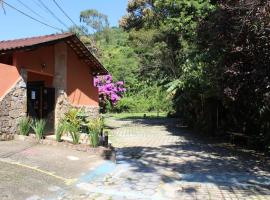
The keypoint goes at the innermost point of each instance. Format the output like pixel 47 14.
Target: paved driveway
pixel 33 172
pixel 156 160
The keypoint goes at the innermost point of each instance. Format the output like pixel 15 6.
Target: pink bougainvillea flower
pixel 109 90
pixel 108 77
pixel 120 83
pixel 96 82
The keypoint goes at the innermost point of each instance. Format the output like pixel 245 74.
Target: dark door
pixel 48 100
pixel 34 99
pixel 40 100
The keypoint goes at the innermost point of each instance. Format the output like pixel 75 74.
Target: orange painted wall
pixel 8 77
pixel 48 80
pixel 80 86
pixel 33 60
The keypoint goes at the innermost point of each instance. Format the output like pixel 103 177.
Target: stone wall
pixel 13 106
pixel 63 106
pixel 90 111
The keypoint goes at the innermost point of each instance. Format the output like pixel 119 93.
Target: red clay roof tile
pixel 25 42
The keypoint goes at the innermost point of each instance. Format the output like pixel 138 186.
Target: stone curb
pixel 107 153
pixel 6 137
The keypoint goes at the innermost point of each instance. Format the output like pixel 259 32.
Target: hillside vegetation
pixel 204 61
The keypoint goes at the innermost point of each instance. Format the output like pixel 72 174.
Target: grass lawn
pixel 136 115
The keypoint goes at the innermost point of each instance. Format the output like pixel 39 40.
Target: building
pixel 44 77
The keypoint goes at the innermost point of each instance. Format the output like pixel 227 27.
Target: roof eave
pixel 98 69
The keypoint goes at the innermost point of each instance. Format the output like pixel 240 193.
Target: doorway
pixel 40 100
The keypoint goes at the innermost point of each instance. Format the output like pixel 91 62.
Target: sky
pixel 15 25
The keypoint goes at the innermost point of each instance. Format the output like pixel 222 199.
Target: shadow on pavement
pixel 193 159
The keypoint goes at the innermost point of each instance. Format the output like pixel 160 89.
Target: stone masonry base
pixel 13 107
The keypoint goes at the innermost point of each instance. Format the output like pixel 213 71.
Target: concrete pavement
pixel 155 160
pixel 32 171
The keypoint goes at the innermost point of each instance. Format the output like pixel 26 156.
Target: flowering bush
pixel 109 92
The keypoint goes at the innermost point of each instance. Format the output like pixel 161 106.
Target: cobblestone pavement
pixel 156 160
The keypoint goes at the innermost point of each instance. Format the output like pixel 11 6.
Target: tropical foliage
pixel 238 67
pixel 38 126
pixel 60 130
pixel 25 126
pixel 71 124
pixel 95 127
pixel 205 61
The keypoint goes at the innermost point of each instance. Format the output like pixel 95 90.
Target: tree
pixel 118 57
pixel 236 38
pixel 162 33
pixel 90 42
pixel 92 18
pixel 140 13
pixel 97 21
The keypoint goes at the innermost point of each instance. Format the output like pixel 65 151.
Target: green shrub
pixel 142 104
pixel 25 126
pixel 94 139
pixel 39 127
pixel 61 128
pixel 95 126
pixel 73 117
pixel 146 99
pixel 126 104
pixel 72 123
pixel 74 132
